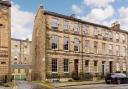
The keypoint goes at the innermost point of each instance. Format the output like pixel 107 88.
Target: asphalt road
pixel 98 86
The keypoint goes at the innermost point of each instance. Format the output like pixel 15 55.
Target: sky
pixel 103 12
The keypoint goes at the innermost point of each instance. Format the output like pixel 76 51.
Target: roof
pixel 15 39
pixel 6 3
pixel 80 20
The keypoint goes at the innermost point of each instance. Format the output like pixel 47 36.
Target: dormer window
pixel 76 28
pixel 54 23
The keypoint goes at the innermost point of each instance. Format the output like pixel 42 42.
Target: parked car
pixel 116 78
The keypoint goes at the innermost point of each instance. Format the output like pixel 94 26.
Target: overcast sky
pixel 98 11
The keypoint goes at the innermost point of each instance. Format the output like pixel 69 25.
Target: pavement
pixel 77 83
pixel 22 85
pixel 97 86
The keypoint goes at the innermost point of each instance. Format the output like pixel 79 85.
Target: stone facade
pixel 5 35
pixel 21 58
pixel 63 46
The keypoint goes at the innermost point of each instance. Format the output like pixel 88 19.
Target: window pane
pixel 85 29
pixel 86 46
pixel 95 47
pixel 103 48
pixel 111 49
pixel 65 25
pixel 66 43
pixel 54 23
pixel 54 65
pixel 76 44
pixel 66 64
pixel 76 28
pixel 95 31
pixel 54 42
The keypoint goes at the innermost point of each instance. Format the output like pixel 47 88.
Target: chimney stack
pixel 115 26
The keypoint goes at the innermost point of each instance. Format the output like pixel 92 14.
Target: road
pixel 98 86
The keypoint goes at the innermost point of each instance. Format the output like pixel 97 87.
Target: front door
pixel 76 67
pixel 110 66
pixel 103 67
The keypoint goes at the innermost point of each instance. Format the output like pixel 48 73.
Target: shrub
pixel 100 76
pixel 117 71
pixel 75 76
pixel 88 76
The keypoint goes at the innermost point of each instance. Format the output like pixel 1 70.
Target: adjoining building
pixel 21 58
pixel 64 47
pixel 5 38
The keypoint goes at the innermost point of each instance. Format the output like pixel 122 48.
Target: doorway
pixel 110 66
pixel 103 67
pixel 76 61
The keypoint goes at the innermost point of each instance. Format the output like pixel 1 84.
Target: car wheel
pixel 118 81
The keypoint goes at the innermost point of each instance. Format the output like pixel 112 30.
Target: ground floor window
pixel 124 67
pixel 117 67
pixel 96 66
pixel 87 66
pixel 66 65
pixel 54 65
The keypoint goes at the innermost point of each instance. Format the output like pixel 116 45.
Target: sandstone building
pixel 63 46
pixel 5 35
pixel 20 58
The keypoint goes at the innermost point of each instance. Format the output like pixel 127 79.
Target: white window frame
pixel 117 67
pixel 76 28
pixel 96 48
pixel 68 43
pixel 54 22
pixel 95 31
pixel 110 48
pixel 96 66
pixel 117 36
pixel 124 66
pixel 76 43
pixel 124 51
pixel 87 42
pixel 104 48
pixel 87 66
pixel 68 66
pixel 118 50
pixel 66 26
pixel 123 38
pixel 54 38
pixel 52 67
pixel 85 29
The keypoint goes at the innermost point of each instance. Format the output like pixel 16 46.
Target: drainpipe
pixel 82 52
